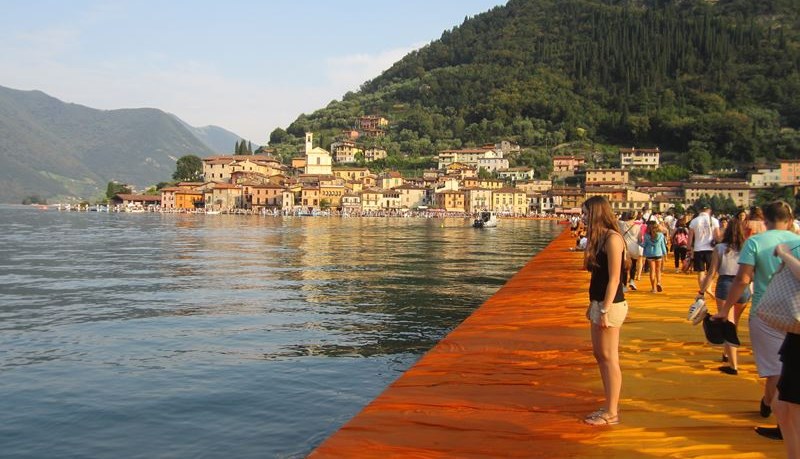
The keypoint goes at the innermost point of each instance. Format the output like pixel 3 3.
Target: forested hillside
pixel 52 149
pixel 715 83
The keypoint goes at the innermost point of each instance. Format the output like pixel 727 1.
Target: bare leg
pixel 788 415
pixel 652 265
pixel 771 390
pixel 606 351
pixel 659 269
pixel 639 267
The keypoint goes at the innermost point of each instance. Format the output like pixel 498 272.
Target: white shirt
pixel 703 228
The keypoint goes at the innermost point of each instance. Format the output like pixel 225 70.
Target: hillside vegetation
pixel 53 149
pixel 717 84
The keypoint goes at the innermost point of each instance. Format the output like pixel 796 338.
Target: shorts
pixel 701 260
pixel 654 258
pixel 616 313
pixel 724 286
pixel 789 384
pixel 766 342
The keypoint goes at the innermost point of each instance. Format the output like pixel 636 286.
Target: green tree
pixel 113 188
pixel 188 168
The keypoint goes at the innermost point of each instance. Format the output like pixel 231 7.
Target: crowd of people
pixel 737 255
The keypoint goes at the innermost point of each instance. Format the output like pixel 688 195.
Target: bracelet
pixel 603 311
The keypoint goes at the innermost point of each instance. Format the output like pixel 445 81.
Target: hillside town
pixel 465 182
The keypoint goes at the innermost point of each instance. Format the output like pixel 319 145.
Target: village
pixel 467 181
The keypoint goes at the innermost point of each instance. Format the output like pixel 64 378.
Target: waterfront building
pixel 411 196
pixel 371 199
pixel 510 201
pixel 222 196
pixel 639 158
pixel 351 203
pixel 310 197
pixel 477 199
pixel 449 200
pixel 331 195
pixel 265 196
pixel 390 200
pixel 130 200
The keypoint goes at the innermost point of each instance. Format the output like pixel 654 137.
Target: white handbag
pixel 779 306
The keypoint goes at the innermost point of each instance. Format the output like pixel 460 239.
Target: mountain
pixel 216 138
pixel 717 83
pixel 55 149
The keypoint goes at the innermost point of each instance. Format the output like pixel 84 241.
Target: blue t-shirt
pixel 758 251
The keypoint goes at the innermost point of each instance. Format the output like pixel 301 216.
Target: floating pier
pixel 516 378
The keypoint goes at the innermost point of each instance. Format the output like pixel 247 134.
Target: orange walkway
pixel 515 379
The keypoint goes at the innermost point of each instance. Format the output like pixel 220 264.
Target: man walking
pixel 703 235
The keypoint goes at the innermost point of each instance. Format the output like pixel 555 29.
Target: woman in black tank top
pixel 604 258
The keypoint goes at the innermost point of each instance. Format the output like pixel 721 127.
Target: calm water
pixel 148 335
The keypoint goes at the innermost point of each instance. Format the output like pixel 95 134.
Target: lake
pixel 180 335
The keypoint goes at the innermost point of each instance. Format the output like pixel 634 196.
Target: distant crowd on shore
pixel 737 254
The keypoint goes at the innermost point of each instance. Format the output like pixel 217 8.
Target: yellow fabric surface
pixel 517 377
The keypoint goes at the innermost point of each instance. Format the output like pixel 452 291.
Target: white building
pixel 318 161
pixel 639 158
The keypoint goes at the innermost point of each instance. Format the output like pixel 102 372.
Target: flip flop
pixel 602 419
pixel 596 413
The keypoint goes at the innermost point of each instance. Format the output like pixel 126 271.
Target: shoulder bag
pixel 779 306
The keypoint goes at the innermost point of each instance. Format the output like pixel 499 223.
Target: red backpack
pixel 682 239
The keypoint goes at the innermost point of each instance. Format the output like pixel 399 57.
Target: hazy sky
pixel 248 66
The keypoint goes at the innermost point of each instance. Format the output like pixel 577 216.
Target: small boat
pixel 485 219
pixel 212 212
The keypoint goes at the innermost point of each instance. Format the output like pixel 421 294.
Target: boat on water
pixel 485 219
pixel 212 212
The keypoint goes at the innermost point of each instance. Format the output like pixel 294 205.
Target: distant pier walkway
pixel 516 378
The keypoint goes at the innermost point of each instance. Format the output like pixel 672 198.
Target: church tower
pixel 309 142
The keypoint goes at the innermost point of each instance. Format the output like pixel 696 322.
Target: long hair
pixel 734 235
pixel 652 230
pixel 600 220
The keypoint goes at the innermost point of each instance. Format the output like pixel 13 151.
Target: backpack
pixel 682 239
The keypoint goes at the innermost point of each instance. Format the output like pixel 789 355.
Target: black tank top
pixel 599 282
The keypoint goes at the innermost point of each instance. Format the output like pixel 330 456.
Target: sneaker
pixel 697 311
pixel 633 287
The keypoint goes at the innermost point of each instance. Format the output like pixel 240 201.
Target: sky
pixel 246 66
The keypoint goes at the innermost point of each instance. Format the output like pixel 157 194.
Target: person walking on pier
pixel 604 258
pixel 703 234
pixel 757 263
pixel 655 249
pixel 787 405
pixel 725 263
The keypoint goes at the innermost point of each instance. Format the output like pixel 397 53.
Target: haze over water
pixel 169 335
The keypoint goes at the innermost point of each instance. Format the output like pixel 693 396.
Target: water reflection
pixel 305 319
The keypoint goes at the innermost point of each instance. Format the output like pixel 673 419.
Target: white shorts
pixel 766 342
pixel 616 313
